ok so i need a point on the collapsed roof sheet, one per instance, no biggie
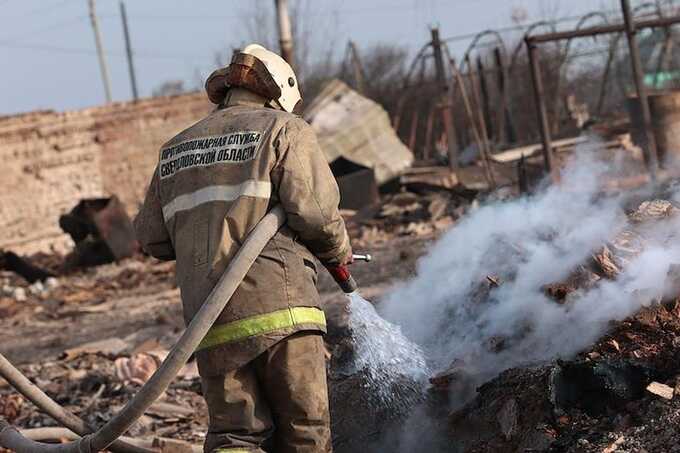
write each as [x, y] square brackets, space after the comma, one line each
[352, 126]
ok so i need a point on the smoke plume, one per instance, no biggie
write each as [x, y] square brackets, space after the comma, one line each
[524, 244]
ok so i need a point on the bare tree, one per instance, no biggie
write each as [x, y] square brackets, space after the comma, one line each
[313, 32]
[170, 88]
[259, 20]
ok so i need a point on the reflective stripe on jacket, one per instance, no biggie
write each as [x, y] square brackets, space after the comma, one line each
[262, 324]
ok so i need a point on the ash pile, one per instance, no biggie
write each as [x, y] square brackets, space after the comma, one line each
[618, 393]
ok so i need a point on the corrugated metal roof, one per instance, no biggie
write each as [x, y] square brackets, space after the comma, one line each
[358, 129]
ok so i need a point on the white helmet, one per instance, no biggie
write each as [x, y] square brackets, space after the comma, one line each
[260, 71]
[281, 72]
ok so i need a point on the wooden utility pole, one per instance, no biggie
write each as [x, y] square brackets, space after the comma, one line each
[128, 49]
[285, 33]
[357, 69]
[447, 118]
[100, 50]
[638, 74]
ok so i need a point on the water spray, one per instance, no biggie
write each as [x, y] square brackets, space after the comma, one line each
[393, 368]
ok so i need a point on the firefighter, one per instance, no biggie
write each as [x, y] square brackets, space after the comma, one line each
[262, 364]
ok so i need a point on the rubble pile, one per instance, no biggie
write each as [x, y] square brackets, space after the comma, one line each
[95, 334]
[619, 395]
[409, 213]
[62, 292]
[610, 402]
[95, 387]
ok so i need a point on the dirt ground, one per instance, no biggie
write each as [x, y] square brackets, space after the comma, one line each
[137, 299]
[91, 338]
[600, 405]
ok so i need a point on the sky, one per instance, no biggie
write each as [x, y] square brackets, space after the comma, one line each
[48, 58]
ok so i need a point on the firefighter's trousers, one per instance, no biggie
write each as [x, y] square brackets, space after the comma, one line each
[277, 403]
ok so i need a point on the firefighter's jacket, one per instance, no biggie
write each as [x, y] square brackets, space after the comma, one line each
[214, 182]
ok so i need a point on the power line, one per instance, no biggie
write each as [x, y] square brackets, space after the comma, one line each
[381, 10]
[170, 17]
[37, 31]
[40, 9]
[112, 53]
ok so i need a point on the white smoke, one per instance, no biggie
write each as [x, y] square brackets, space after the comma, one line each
[526, 243]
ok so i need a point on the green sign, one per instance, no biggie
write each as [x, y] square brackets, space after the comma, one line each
[659, 79]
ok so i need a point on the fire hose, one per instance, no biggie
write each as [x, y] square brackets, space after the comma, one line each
[108, 435]
[161, 379]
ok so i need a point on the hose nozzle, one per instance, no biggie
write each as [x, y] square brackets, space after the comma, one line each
[343, 278]
[365, 257]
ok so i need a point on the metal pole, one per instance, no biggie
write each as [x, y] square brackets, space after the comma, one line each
[522, 180]
[486, 104]
[481, 145]
[357, 68]
[285, 34]
[500, 82]
[414, 130]
[664, 56]
[604, 83]
[100, 50]
[472, 82]
[485, 150]
[541, 111]
[649, 148]
[476, 99]
[446, 107]
[396, 121]
[506, 131]
[428, 133]
[128, 49]
[605, 29]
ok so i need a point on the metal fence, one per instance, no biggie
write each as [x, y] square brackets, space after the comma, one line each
[488, 91]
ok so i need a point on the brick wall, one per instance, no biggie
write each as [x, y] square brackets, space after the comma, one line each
[51, 160]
